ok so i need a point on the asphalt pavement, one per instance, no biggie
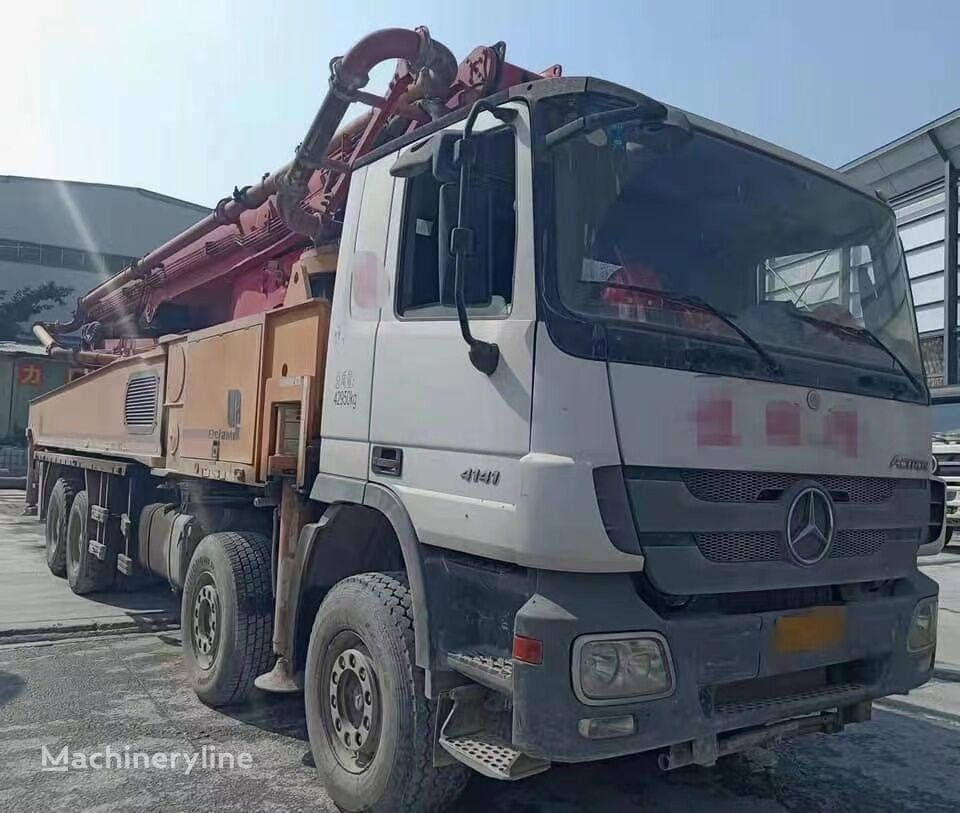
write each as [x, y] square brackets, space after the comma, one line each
[125, 694]
[36, 604]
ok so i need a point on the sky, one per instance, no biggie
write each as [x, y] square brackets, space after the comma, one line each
[191, 97]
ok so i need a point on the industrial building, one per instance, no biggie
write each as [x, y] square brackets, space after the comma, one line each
[918, 174]
[78, 234]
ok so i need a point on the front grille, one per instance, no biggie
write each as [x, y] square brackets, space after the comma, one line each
[850, 544]
[749, 546]
[938, 501]
[715, 485]
[821, 683]
[746, 706]
[768, 546]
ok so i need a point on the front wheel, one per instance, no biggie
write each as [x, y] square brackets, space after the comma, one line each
[371, 727]
[226, 614]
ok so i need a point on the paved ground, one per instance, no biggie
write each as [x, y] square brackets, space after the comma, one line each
[32, 600]
[128, 690]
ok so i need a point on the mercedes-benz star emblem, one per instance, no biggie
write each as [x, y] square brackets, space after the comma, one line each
[810, 525]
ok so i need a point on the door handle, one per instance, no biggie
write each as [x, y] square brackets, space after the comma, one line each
[387, 460]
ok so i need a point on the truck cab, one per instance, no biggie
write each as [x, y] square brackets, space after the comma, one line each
[696, 478]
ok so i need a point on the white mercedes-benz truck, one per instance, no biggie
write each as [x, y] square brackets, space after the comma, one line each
[622, 445]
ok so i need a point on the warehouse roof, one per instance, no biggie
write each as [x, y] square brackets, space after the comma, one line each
[104, 218]
[19, 349]
[912, 161]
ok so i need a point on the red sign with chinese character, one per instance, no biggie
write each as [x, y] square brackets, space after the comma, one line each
[30, 375]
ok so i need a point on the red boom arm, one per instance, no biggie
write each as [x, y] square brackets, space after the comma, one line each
[237, 259]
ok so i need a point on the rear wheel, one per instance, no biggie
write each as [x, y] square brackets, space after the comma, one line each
[85, 572]
[227, 616]
[371, 727]
[58, 515]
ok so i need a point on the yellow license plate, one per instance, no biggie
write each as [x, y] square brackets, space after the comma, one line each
[820, 628]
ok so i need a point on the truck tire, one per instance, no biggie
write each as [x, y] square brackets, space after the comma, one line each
[226, 615]
[85, 572]
[58, 515]
[371, 727]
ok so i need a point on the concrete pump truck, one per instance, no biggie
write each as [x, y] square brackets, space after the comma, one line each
[523, 420]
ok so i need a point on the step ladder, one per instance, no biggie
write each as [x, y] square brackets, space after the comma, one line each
[468, 734]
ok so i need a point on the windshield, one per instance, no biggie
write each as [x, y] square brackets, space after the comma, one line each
[806, 268]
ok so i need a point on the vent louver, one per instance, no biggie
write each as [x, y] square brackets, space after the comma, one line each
[140, 404]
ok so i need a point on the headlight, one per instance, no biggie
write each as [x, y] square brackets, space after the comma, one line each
[612, 669]
[923, 626]
[933, 464]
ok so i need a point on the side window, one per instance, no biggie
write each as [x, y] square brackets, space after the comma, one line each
[425, 284]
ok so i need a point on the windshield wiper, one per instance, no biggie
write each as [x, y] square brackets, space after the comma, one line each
[696, 303]
[859, 333]
[647, 110]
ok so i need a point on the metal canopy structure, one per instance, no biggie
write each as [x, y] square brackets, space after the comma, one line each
[911, 162]
[922, 161]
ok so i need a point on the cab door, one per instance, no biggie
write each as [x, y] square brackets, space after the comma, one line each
[445, 437]
[357, 301]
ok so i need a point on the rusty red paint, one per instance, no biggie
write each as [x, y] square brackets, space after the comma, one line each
[842, 431]
[715, 423]
[783, 423]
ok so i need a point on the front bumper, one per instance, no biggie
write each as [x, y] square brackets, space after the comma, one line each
[728, 672]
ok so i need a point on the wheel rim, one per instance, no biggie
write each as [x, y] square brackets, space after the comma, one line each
[206, 622]
[351, 703]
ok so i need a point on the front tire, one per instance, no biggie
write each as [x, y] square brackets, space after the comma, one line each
[226, 615]
[85, 572]
[371, 727]
[58, 516]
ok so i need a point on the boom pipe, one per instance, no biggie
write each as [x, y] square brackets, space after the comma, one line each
[303, 200]
[437, 69]
[88, 358]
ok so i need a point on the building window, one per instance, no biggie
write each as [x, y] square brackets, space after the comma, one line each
[74, 259]
[30, 253]
[60, 257]
[51, 255]
[931, 350]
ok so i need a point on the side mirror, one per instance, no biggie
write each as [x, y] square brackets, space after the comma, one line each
[478, 270]
[464, 239]
[435, 155]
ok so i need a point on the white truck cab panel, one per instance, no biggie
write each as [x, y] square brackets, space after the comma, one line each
[358, 296]
[459, 435]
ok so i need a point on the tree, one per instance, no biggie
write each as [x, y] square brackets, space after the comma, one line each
[22, 305]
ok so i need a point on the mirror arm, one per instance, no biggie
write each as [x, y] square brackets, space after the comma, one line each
[485, 356]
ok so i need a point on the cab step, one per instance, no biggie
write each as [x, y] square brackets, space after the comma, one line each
[476, 733]
[490, 756]
[490, 670]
